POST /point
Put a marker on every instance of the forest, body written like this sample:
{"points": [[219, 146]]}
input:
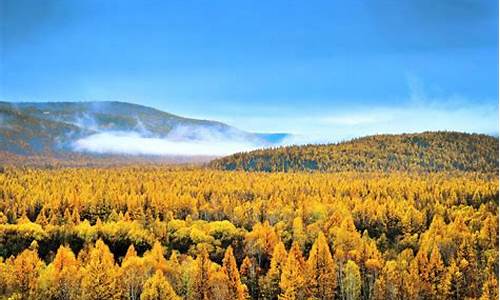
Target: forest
{"points": [[159, 232], [438, 151]]}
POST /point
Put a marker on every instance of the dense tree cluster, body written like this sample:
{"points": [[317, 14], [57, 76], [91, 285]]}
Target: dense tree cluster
{"points": [[157, 233], [422, 152]]}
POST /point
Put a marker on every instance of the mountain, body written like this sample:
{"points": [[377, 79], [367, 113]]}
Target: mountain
{"points": [[421, 152], [54, 127]]}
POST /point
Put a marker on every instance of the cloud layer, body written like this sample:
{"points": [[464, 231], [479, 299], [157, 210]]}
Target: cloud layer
{"points": [[181, 141], [133, 143]]}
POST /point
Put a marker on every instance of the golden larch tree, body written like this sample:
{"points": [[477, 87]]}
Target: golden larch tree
{"points": [[321, 271], [100, 275], [293, 283], [133, 274], [199, 288], [271, 282], [229, 267], [158, 288]]}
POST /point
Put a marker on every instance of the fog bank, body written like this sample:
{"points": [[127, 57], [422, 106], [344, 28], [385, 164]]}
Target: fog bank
{"points": [[181, 141]]}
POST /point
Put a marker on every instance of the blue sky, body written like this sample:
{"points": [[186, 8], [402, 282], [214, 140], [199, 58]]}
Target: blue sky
{"points": [[315, 68]]}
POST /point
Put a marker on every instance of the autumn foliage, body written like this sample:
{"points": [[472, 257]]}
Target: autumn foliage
{"points": [[416, 152], [158, 233]]}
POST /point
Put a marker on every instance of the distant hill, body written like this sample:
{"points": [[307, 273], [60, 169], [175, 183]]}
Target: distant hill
{"points": [[427, 152], [52, 127]]}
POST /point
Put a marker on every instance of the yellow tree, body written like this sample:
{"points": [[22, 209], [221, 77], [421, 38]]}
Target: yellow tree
{"points": [[389, 283], [158, 288], [439, 281], [199, 289], [154, 259], [173, 273], [420, 265], [219, 286], [351, 288], [488, 236], [133, 274], [322, 277], [299, 236], [293, 282], [412, 281], [260, 242], [456, 280], [249, 274], [490, 288], [371, 264], [236, 289], [406, 278], [271, 283], [62, 277], [468, 265], [25, 269], [100, 280], [4, 277]]}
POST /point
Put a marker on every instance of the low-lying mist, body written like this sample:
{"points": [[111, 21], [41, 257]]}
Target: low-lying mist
{"points": [[181, 140]]}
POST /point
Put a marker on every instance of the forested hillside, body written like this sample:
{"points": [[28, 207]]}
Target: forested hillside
{"points": [[156, 233], [48, 128], [422, 152]]}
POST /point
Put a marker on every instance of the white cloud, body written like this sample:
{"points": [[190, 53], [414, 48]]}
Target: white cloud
{"points": [[181, 140], [133, 143]]}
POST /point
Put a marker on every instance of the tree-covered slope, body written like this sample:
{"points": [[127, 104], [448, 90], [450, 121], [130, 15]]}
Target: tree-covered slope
{"points": [[41, 128], [427, 152], [108, 115], [25, 134]]}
